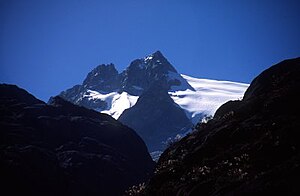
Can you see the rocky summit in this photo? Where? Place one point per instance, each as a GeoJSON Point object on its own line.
{"type": "Point", "coordinates": [142, 73]}
{"type": "Point", "coordinates": [151, 97]}
{"type": "Point", "coordinates": [136, 79]}
{"type": "Point", "coordinates": [250, 147]}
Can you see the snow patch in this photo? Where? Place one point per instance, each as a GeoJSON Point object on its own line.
{"type": "Point", "coordinates": [207, 96]}
{"type": "Point", "coordinates": [148, 58]}
{"type": "Point", "coordinates": [116, 102]}
{"type": "Point", "coordinates": [120, 103]}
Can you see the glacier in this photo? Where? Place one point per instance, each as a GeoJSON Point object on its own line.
{"type": "Point", "coordinates": [207, 97]}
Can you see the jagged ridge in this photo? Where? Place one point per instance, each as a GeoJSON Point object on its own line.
{"type": "Point", "coordinates": [107, 91]}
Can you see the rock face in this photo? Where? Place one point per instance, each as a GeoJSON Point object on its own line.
{"type": "Point", "coordinates": [156, 117]}
{"type": "Point", "coordinates": [153, 69]}
{"type": "Point", "coordinates": [149, 78]}
{"type": "Point", "coordinates": [103, 78]}
{"type": "Point", "coordinates": [162, 91]}
{"type": "Point", "coordinates": [136, 79]}
{"type": "Point", "coordinates": [63, 149]}
{"type": "Point", "coordinates": [250, 147]}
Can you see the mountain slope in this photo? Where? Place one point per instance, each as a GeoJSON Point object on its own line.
{"type": "Point", "coordinates": [103, 87]}
{"type": "Point", "coordinates": [156, 117]}
{"type": "Point", "coordinates": [250, 147]}
{"type": "Point", "coordinates": [107, 91]}
{"type": "Point", "coordinates": [64, 149]}
{"type": "Point", "coordinates": [207, 96]}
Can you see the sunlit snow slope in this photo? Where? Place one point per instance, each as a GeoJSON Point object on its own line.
{"type": "Point", "coordinates": [205, 100]}
{"type": "Point", "coordinates": [207, 97]}
{"type": "Point", "coordinates": [116, 102]}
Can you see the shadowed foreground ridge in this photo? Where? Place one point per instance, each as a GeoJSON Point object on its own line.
{"type": "Point", "coordinates": [251, 146]}
{"type": "Point", "coordinates": [63, 149]}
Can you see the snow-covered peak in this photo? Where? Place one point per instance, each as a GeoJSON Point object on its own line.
{"type": "Point", "coordinates": [105, 90]}
{"type": "Point", "coordinates": [204, 99]}
{"type": "Point", "coordinates": [155, 60]}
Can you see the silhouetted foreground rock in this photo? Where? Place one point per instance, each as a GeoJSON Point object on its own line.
{"type": "Point", "coordinates": [251, 147]}
{"type": "Point", "coordinates": [63, 149]}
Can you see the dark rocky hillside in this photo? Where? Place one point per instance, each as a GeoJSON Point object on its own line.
{"type": "Point", "coordinates": [250, 147]}
{"type": "Point", "coordinates": [63, 149]}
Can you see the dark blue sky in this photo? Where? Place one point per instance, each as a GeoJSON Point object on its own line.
{"type": "Point", "coordinates": [47, 46]}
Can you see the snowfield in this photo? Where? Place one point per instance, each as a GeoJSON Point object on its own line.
{"type": "Point", "coordinates": [208, 96]}
{"type": "Point", "coordinates": [116, 102]}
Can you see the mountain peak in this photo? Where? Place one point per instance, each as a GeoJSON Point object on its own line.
{"type": "Point", "coordinates": [154, 68]}
{"type": "Point", "coordinates": [156, 55]}
{"type": "Point", "coordinates": [158, 52]}
{"type": "Point", "coordinates": [137, 78]}
{"type": "Point", "coordinates": [155, 60]}
{"type": "Point", "coordinates": [103, 78]}
{"type": "Point", "coordinates": [101, 71]}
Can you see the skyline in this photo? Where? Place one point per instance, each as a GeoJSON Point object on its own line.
{"type": "Point", "coordinates": [49, 46]}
